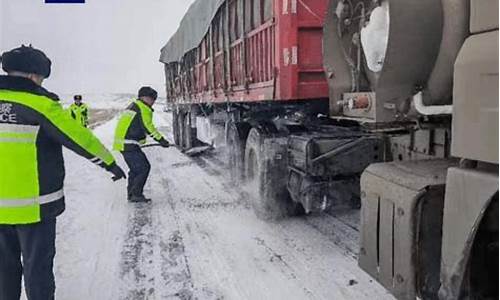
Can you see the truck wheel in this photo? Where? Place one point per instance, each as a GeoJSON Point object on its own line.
{"type": "Point", "coordinates": [235, 141]}
{"type": "Point", "coordinates": [481, 277]}
{"type": "Point", "coordinates": [175, 127]}
{"type": "Point", "coordinates": [266, 177]}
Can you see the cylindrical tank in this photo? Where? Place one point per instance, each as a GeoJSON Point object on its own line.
{"type": "Point", "coordinates": [439, 88]}
{"type": "Point", "coordinates": [421, 39]}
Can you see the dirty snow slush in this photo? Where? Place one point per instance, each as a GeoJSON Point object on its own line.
{"type": "Point", "coordinates": [198, 239]}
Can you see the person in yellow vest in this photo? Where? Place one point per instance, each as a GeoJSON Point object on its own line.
{"type": "Point", "coordinates": [79, 111]}
{"type": "Point", "coordinates": [33, 128]}
{"type": "Point", "coordinates": [135, 123]}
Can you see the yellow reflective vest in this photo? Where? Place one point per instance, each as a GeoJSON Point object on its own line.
{"type": "Point", "coordinates": [33, 128]}
{"type": "Point", "coordinates": [134, 124]}
{"type": "Point", "coordinates": [80, 113]}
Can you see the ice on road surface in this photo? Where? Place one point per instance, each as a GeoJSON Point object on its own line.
{"type": "Point", "coordinates": [197, 240]}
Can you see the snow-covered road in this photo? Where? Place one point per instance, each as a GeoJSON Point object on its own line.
{"type": "Point", "coordinates": [197, 240]}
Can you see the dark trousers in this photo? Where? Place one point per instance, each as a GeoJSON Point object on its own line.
{"type": "Point", "coordinates": [36, 244]}
{"type": "Point", "coordinates": [139, 168]}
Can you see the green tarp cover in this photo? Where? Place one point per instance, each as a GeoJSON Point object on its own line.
{"type": "Point", "coordinates": [194, 25]}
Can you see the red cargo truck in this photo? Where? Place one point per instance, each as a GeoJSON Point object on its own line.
{"type": "Point", "coordinates": [248, 75]}
{"type": "Point", "coordinates": [412, 85]}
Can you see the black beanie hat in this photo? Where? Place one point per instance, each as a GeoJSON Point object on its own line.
{"type": "Point", "coordinates": [26, 59]}
{"type": "Point", "coordinates": [147, 91]}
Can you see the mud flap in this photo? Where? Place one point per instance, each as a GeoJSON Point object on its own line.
{"type": "Point", "coordinates": [401, 215]}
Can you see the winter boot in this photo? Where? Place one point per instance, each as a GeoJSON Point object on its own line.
{"type": "Point", "coordinates": [139, 199]}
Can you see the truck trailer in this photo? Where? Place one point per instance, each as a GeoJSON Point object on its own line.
{"type": "Point", "coordinates": [384, 107]}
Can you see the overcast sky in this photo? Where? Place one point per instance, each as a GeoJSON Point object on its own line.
{"type": "Point", "coordinates": [99, 46]}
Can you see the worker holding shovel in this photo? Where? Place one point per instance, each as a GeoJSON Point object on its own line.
{"type": "Point", "coordinates": [135, 123]}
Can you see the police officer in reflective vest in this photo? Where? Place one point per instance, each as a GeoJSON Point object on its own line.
{"type": "Point", "coordinates": [79, 111]}
{"type": "Point", "coordinates": [33, 128]}
{"type": "Point", "coordinates": [133, 127]}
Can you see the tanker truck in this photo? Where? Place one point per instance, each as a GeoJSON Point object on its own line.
{"type": "Point", "coordinates": [387, 108]}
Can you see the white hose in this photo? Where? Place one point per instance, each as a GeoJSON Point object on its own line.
{"type": "Point", "coordinates": [430, 110]}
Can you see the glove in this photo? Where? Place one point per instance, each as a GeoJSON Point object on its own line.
{"type": "Point", "coordinates": [164, 143]}
{"type": "Point", "coordinates": [117, 172]}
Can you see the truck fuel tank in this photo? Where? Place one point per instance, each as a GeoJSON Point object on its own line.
{"type": "Point", "coordinates": [324, 169]}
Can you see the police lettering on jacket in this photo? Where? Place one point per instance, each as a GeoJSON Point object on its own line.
{"type": "Point", "coordinates": [6, 113]}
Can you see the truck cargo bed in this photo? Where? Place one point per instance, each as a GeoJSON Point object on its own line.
{"type": "Point", "coordinates": [249, 51]}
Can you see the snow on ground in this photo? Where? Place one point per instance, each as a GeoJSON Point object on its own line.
{"type": "Point", "coordinates": [197, 240]}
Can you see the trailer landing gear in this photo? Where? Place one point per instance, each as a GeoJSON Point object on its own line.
{"type": "Point", "coordinates": [176, 127]}
{"type": "Point", "coordinates": [183, 131]}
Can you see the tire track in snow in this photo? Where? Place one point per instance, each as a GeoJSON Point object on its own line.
{"type": "Point", "coordinates": [278, 259]}
{"type": "Point", "coordinates": [153, 263]}
{"type": "Point", "coordinates": [206, 167]}
{"type": "Point", "coordinates": [176, 277]}
{"type": "Point", "coordinates": [336, 231]}
{"type": "Point", "coordinates": [175, 271]}
{"type": "Point", "coordinates": [137, 254]}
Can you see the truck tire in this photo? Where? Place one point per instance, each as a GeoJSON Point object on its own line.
{"type": "Point", "coordinates": [266, 179]}
{"type": "Point", "coordinates": [235, 141]}
{"type": "Point", "coordinates": [481, 276]}
{"type": "Point", "coordinates": [175, 127]}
